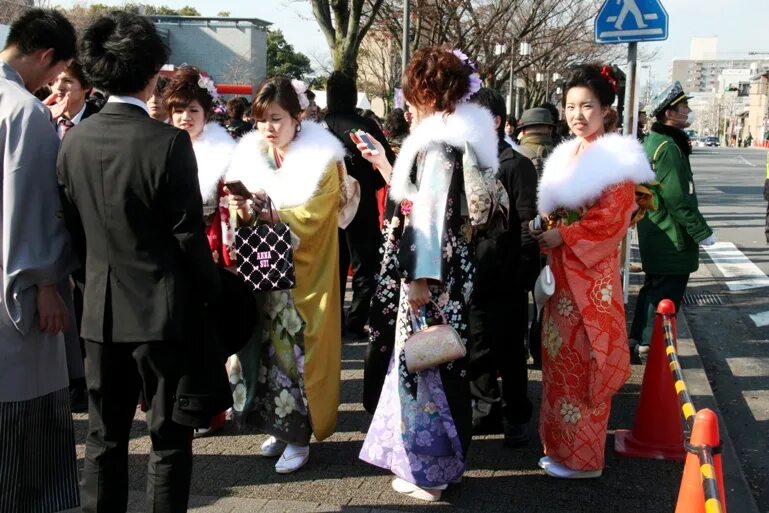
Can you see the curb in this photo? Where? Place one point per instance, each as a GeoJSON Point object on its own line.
{"type": "Point", "coordinates": [738, 493]}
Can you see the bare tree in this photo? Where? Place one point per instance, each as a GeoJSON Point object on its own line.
{"type": "Point", "coordinates": [378, 66]}
{"type": "Point", "coordinates": [344, 24]}
{"type": "Point", "coordinates": [11, 9]}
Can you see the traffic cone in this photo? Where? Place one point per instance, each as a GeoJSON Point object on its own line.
{"type": "Point", "coordinates": [658, 429]}
{"type": "Point", "coordinates": [691, 497]}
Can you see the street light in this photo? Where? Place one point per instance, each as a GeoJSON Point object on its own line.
{"type": "Point", "coordinates": [524, 51]}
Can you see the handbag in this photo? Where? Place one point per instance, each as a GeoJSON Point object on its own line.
{"type": "Point", "coordinates": [264, 256]}
{"type": "Point", "coordinates": [430, 346]}
{"type": "Point", "coordinates": [544, 287]}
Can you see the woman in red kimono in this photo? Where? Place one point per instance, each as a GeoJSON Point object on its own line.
{"type": "Point", "coordinates": [587, 194]}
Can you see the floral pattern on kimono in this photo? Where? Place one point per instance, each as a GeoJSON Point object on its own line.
{"type": "Point", "coordinates": [585, 358]}
{"type": "Point", "coordinates": [269, 387]}
{"type": "Point", "coordinates": [422, 423]}
{"type": "Point", "coordinates": [221, 236]}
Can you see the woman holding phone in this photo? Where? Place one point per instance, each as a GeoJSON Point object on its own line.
{"type": "Point", "coordinates": [422, 425]}
{"type": "Point", "coordinates": [189, 102]}
{"type": "Point", "coordinates": [293, 169]}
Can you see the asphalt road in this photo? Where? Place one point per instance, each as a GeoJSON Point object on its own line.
{"type": "Point", "coordinates": [735, 346]}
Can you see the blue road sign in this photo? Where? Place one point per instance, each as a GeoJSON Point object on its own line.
{"type": "Point", "coordinates": [631, 21]}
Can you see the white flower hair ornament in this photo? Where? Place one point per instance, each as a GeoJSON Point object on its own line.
{"type": "Point", "coordinates": [475, 80]}
{"type": "Point", "coordinates": [301, 91]}
{"type": "Point", "coordinates": [207, 83]}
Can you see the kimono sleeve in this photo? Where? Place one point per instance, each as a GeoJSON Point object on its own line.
{"type": "Point", "coordinates": [428, 217]}
{"type": "Point", "coordinates": [677, 193]}
{"type": "Point", "coordinates": [36, 245]}
{"type": "Point", "coordinates": [597, 235]}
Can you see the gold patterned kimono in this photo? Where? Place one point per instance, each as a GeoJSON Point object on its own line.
{"type": "Point", "coordinates": [307, 195]}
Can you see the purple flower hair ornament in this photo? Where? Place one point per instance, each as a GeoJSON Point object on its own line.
{"type": "Point", "coordinates": [475, 80]}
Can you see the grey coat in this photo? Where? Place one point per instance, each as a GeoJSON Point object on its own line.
{"type": "Point", "coordinates": [36, 247]}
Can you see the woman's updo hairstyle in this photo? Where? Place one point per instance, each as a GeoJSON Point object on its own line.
{"type": "Point", "coordinates": [183, 89]}
{"type": "Point", "coordinates": [278, 90]}
{"type": "Point", "coordinates": [436, 78]}
{"type": "Point", "coordinates": [601, 80]}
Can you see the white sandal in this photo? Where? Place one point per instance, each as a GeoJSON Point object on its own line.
{"type": "Point", "coordinates": [429, 494]}
{"type": "Point", "coordinates": [272, 447]}
{"type": "Point", "coordinates": [293, 458]}
{"type": "Point", "coordinates": [555, 469]}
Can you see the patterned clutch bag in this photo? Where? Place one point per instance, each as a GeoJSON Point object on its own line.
{"type": "Point", "coordinates": [430, 346]}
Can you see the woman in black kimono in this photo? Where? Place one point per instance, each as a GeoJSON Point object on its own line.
{"type": "Point", "coordinates": [422, 423]}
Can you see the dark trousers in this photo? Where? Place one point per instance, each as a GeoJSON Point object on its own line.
{"type": "Point", "coordinates": [766, 228]}
{"type": "Point", "coordinates": [361, 247]}
{"type": "Point", "coordinates": [656, 287]}
{"type": "Point", "coordinates": [115, 374]}
{"type": "Point", "coordinates": [497, 347]}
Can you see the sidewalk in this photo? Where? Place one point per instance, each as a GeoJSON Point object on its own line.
{"type": "Point", "coordinates": [230, 477]}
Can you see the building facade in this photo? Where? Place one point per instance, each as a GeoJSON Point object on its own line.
{"type": "Point", "coordinates": [702, 75]}
{"type": "Point", "coordinates": [230, 50]}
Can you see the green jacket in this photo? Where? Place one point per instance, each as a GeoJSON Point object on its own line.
{"type": "Point", "coordinates": [669, 237]}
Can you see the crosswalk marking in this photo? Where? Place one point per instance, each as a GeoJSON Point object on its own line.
{"type": "Point", "coordinates": [734, 264]}
{"type": "Point", "coordinates": [761, 319]}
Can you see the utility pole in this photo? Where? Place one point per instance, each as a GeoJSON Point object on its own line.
{"type": "Point", "coordinates": [406, 43]}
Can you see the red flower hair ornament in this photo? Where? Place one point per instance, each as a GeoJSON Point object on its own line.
{"type": "Point", "coordinates": [607, 74]}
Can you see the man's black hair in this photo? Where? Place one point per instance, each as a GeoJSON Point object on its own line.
{"type": "Point", "coordinates": [341, 93]}
{"type": "Point", "coordinates": [121, 52]}
{"type": "Point", "coordinates": [41, 29]}
{"type": "Point", "coordinates": [512, 121]}
{"type": "Point", "coordinates": [494, 102]}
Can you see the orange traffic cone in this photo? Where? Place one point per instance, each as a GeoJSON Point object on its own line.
{"type": "Point", "coordinates": [658, 429]}
{"type": "Point", "coordinates": [691, 496]}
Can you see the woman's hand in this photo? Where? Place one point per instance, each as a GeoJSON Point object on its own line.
{"type": "Point", "coordinates": [240, 205]}
{"type": "Point", "coordinates": [51, 310]}
{"type": "Point", "coordinates": [550, 239]}
{"type": "Point", "coordinates": [379, 161]}
{"type": "Point", "coordinates": [419, 294]}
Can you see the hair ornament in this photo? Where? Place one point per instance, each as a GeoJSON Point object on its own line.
{"type": "Point", "coordinates": [301, 91]}
{"type": "Point", "coordinates": [207, 83]}
{"type": "Point", "coordinates": [475, 80]}
{"type": "Point", "coordinates": [606, 73]}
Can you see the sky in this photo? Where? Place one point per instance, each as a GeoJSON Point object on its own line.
{"type": "Point", "coordinates": [742, 26]}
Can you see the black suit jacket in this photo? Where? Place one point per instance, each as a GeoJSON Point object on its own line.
{"type": "Point", "coordinates": [132, 203]}
{"type": "Point", "coordinates": [366, 220]}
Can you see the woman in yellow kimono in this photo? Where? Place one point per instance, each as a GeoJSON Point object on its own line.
{"type": "Point", "coordinates": [587, 195]}
{"type": "Point", "coordinates": [287, 381]}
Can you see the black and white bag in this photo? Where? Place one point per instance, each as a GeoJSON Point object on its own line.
{"type": "Point", "coordinates": [265, 259]}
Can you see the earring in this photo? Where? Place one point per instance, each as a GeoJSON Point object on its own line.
{"type": "Point", "coordinates": [298, 127]}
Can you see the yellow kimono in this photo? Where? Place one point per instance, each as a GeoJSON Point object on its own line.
{"type": "Point", "coordinates": [307, 195]}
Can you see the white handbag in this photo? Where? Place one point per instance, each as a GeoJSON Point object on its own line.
{"type": "Point", "coordinates": [544, 287]}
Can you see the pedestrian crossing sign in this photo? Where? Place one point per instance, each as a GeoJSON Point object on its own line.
{"type": "Point", "coordinates": [631, 21]}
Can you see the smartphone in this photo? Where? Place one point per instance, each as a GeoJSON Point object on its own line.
{"type": "Point", "coordinates": [237, 188]}
{"type": "Point", "coordinates": [359, 136]}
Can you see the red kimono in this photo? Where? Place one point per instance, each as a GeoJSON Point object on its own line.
{"type": "Point", "coordinates": [585, 357]}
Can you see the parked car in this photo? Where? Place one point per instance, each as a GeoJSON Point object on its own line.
{"type": "Point", "coordinates": [712, 141]}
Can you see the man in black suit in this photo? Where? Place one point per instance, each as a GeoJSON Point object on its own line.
{"type": "Point", "coordinates": [133, 205]}
{"type": "Point", "coordinates": [361, 240]}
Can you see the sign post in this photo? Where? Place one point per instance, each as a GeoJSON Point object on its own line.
{"type": "Point", "coordinates": [632, 22]}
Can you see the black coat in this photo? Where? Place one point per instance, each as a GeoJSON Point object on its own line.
{"type": "Point", "coordinates": [130, 189]}
{"type": "Point", "coordinates": [511, 259]}
{"type": "Point", "coordinates": [366, 219]}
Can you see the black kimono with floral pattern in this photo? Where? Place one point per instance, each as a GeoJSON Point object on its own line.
{"type": "Point", "coordinates": [407, 255]}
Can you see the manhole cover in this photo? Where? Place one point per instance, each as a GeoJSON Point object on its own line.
{"type": "Point", "coordinates": [704, 299]}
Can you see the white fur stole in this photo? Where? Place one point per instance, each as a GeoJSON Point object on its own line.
{"type": "Point", "coordinates": [213, 148]}
{"type": "Point", "coordinates": [570, 181]}
{"type": "Point", "coordinates": [469, 123]}
{"type": "Point", "coordinates": [306, 160]}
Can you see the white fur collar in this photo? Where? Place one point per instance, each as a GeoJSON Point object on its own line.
{"type": "Point", "coordinates": [306, 160]}
{"type": "Point", "coordinates": [213, 148]}
{"type": "Point", "coordinates": [573, 182]}
{"type": "Point", "coordinates": [469, 123]}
